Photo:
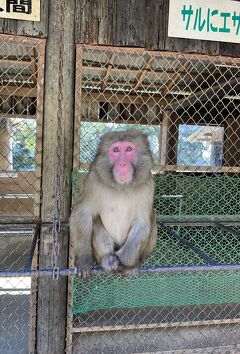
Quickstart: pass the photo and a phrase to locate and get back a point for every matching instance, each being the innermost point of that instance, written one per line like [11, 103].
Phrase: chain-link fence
[187, 299]
[21, 105]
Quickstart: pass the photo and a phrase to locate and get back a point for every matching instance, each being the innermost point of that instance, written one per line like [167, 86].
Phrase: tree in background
[24, 144]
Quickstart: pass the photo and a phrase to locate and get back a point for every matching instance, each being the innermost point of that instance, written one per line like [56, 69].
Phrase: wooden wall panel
[27, 28]
[134, 23]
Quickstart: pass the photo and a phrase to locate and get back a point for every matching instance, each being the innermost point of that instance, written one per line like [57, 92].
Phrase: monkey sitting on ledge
[114, 221]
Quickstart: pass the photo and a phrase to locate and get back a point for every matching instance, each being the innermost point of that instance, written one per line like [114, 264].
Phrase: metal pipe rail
[73, 271]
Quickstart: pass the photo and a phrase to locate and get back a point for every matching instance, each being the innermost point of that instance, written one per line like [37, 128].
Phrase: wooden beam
[17, 182]
[178, 75]
[16, 207]
[14, 62]
[39, 125]
[97, 83]
[155, 325]
[109, 68]
[57, 159]
[78, 111]
[204, 95]
[180, 168]
[207, 169]
[11, 78]
[143, 73]
[19, 39]
[163, 140]
[123, 98]
[159, 73]
[33, 65]
[15, 115]
[6, 148]
[123, 70]
[216, 59]
[37, 184]
[21, 91]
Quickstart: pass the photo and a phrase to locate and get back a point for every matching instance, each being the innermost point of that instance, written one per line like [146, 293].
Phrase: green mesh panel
[163, 289]
[179, 197]
[200, 195]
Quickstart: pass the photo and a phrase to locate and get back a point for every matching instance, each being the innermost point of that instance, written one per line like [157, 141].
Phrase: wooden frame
[153, 99]
[200, 57]
[27, 182]
[161, 98]
[169, 122]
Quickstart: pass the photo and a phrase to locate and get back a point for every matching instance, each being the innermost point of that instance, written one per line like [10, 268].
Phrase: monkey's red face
[123, 154]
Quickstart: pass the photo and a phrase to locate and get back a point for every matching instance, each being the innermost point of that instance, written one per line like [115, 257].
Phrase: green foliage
[24, 140]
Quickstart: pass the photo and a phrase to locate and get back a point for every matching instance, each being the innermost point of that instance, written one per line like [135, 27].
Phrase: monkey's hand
[83, 267]
[110, 263]
[127, 258]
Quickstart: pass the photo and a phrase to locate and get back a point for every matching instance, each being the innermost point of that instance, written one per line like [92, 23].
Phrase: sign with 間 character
[20, 9]
[214, 20]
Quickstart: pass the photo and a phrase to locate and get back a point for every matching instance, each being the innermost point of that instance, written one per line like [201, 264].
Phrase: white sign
[213, 20]
[20, 9]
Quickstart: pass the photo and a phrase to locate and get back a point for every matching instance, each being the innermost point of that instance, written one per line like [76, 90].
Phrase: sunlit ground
[15, 286]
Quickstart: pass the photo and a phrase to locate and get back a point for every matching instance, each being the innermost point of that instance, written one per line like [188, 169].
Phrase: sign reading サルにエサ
[20, 9]
[214, 20]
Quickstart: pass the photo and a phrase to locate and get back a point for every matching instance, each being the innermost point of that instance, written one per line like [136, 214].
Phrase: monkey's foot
[83, 273]
[128, 271]
[110, 263]
[83, 268]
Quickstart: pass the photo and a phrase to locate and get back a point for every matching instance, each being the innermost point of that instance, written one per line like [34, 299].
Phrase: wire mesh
[21, 95]
[188, 106]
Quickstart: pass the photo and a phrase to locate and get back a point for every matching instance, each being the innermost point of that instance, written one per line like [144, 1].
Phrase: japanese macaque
[114, 221]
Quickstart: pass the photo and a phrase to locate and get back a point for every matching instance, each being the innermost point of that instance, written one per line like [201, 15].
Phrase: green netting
[197, 195]
[163, 289]
[180, 197]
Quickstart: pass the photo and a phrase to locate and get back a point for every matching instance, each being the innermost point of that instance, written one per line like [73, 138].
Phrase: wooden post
[37, 187]
[5, 145]
[231, 143]
[173, 128]
[57, 155]
[163, 143]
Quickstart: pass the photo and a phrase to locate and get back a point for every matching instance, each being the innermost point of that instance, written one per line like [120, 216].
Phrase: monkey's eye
[128, 149]
[116, 149]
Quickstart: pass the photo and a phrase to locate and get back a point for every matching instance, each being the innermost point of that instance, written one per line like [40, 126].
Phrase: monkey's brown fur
[112, 223]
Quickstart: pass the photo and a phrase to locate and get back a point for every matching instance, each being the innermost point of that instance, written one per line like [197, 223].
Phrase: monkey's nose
[122, 161]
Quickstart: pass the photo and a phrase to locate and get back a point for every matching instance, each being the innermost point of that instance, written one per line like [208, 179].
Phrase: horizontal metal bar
[27, 223]
[16, 196]
[182, 221]
[171, 196]
[155, 325]
[165, 221]
[73, 271]
[38, 273]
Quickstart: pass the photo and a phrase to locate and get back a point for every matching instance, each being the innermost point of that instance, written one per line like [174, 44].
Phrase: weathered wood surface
[136, 23]
[22, 182]
[16, 207]
[28, 28]
[58, 126]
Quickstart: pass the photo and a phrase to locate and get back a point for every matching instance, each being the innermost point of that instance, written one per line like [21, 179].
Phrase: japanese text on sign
[200, 19]
[20, 9]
